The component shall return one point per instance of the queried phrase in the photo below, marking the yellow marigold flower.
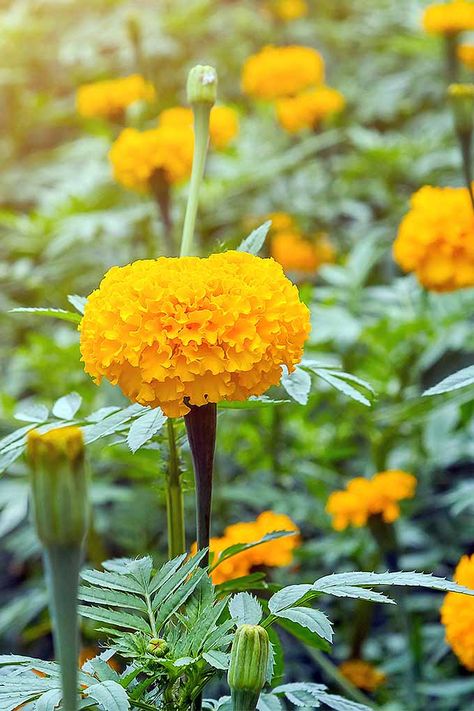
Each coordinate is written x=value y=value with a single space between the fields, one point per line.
x=136 y=155
x=297 y=254
x=275 y=72
x=177 y=331
x=108 y=99
x=307 y=109
x=223 y=123
x=466 y=55
x=457 y=615
x=276 y=553
x=436 y=239
x=362 y=674
x=288 y=10
x=363 y=498
x=449 y=17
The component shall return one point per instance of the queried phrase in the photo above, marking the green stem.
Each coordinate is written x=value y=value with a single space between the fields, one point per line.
x=174 y=498
x=333 y=673
x=451 y=46
x=62 y=565
x=201 y=138
x=465 y=144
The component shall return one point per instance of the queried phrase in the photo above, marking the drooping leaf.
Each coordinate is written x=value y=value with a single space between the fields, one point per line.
x=297 y=384
x=144 y=428
x=313 y=620
x=460 y=379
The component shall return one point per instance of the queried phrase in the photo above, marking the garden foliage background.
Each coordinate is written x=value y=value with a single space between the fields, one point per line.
x=64 y=222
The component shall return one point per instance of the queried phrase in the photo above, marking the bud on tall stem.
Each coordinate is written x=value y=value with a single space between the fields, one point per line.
x=60 y=507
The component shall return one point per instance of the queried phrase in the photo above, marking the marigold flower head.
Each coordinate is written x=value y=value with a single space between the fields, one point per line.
x=136 y=155
x=466 y=55
x=177 y=331
x=449 y=17
x=108 y=99
x=275 y=72
x=223 y=123
x=436 y=239
x=288 y=10
x=457 y=614
x=298 y=254
x=307 y=109
x=362 y=674
x=363 y=498
x=276 y=553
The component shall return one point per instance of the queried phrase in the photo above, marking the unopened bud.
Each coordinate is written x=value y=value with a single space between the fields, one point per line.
x=202 y=85
x=157 y=646
x=59 y=486
x=248 y=666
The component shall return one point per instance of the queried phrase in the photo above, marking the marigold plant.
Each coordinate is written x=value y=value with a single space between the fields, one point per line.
x=108 y=99
x=457 y=614
x=307 y=109
x=137 y=155
x=276 y=553
x=275 y=72
x=449 y=18
x=362 y=674
x=436 y=239
x=223 y=124
x=363 y=498
x=174 y=332
x=466 y=55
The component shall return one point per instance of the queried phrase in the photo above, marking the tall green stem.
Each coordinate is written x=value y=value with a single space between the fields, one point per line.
x=452 y=64
x=174 y=498
x=201 y=139
x=62 y=565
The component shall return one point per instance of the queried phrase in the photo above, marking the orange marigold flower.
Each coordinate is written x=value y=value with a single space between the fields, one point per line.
x=449 y=17
x=466 y=55
x=362 y=674
x=281 y=221
x=436 y=239
x=457 y=614
x=107 y=99
x=297 y=254
x=223 y=124
x=136 y=155
x=177 y=331
x=307 y=109
x=363 y=498
x=276 y=553
x=275 y=72
x=288 y=10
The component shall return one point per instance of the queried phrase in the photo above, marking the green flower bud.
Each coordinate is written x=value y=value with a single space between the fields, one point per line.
x=59 y=486
x=248 y=666
x=202 y=85
x=461 y=98
x=157 y=646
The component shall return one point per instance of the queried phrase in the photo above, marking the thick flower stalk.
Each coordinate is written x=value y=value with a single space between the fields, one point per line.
x=364 y=498
x=60 y=506
x=307 y=109
x=276 y=72
x=110 y=98
x=436 y=239
x=177 y=332
x=457 y=615
x=248 y=666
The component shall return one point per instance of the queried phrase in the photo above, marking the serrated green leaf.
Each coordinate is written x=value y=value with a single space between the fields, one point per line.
x=245 y=609
x=338 y=703
x=287 y=597
x=355 y=592
x=268 y=702
x=256 y=239
x=297 y=384
x=79 y=302
x=66 y=407
x=48 y=701
x=110 y=695
x=333 y=378
x=144 y=428
x=239 y=547
x=178 y=598
x=112 y=580
x=413 y=579
x=460 y=379
x=60 y=314
x=218 y=660
x=113 y=598
x=32 y=413
x=120 y=619
x=313 y=620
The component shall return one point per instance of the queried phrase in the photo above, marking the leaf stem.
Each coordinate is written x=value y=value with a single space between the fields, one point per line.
x=174 y=498
x=201 y=138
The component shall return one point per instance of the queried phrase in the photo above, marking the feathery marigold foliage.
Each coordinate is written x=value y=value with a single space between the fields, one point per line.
x=436 y=239
x=449 y=18
x=276 y=72
x=174 y=332
x=465 y=54
x=288 y=10
x=277 y=553
x=137 y=155
x=307 y=109
x=363 y=498
x=457 y=614
x=297 y=253
x=108 y=99
x=223 y=123
x=362 y=674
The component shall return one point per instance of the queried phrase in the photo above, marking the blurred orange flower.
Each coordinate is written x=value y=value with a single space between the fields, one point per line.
x=362 y=674
x=307 y=109
x=466 y=55
x=457 y=614
x=108 y=99
x=275 y=72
